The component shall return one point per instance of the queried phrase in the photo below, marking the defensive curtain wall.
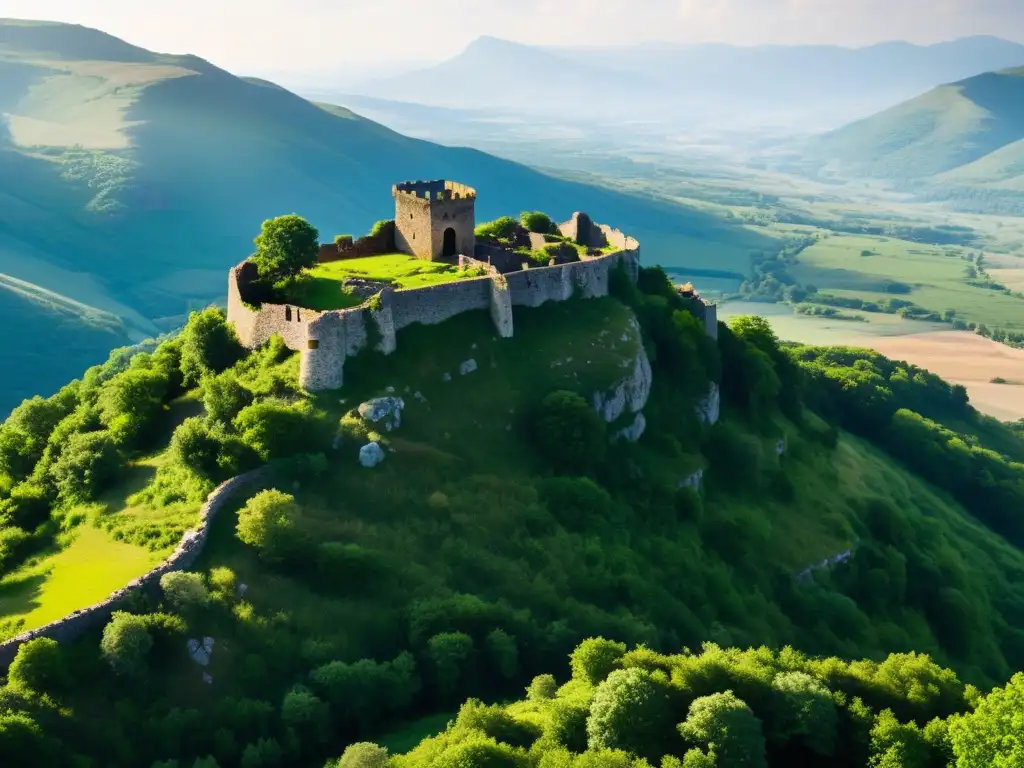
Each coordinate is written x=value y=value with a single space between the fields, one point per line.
x=325 y=339
x=74 y=624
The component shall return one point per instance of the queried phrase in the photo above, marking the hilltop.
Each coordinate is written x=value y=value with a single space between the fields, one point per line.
x=946 y=129
x=133 y=179
x=777 y=496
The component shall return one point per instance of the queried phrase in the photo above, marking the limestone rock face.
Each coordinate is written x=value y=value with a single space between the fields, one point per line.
x=710 y=406
x=693 y=481
x=629 y=395
x=371 y=455
x=467 y=367
x=383 y=409
x=634 y=431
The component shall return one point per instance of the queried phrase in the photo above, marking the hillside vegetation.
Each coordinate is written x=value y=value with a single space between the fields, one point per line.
x=129 y=181
x=502 y=528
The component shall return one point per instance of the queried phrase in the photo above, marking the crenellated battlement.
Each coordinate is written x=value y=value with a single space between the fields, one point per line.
x=435 y=190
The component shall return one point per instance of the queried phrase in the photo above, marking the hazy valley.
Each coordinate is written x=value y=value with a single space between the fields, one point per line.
x=735 y=480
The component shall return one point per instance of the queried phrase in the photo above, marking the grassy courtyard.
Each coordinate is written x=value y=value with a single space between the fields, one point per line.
x=321 y=287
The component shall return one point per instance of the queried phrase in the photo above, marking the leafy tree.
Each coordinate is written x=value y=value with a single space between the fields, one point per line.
x=494 y=721
x=224 y=396
x=805 y=708
x=208 y=345
x=542 y=687
x=22 y=741
x=596 y=658
x=285 y=246
x=481 y=751
x=535 y=221
x=571 y=436
x=449 y=654
x=39 y=667
x=362 y=691
x=990 y=735
x=727 y=725
x=267 y=522
x=24 y=434
x=263 y=753
x=126 y=643
x=631 y=711
x=183 y=590
x=131 y=401
x=309 y=716
x=364 y=754
x=86 y=466
x=502 y=653
x=277 y=430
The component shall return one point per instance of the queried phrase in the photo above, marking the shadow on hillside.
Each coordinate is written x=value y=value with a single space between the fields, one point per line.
x=220 y=154
x=1002 y=95
x=19 y=596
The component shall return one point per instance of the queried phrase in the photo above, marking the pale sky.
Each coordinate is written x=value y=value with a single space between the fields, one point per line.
x=254 y=36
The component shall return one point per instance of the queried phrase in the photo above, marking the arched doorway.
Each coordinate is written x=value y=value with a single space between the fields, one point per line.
x=448 y=248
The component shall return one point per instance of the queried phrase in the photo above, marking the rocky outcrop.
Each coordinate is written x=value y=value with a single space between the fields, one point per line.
x=371 y=454
x=629 y=395
x=710 y=406
x=693 y=481
x=383 y=409
x=634 y=431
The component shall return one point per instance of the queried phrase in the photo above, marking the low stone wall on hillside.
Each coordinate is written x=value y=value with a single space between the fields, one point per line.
x=77 y=623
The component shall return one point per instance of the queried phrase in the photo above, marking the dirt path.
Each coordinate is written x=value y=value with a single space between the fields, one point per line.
x=968 y=359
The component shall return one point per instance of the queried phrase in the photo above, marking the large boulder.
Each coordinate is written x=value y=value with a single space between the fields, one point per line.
x=386 y=410
x=371 y=455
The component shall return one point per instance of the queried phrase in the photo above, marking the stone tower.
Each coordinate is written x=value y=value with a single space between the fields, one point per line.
x=434 y=220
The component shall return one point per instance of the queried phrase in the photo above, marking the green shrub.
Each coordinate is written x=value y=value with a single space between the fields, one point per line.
x=542 y=688
x=631 y=711
x=596 y=658
x=364 y=754
x=499 y=229
x=535 y=221
x=570 y=436
x=126 y=643
x=39 y=667
x=267 y=523
x=183 y=590
x=208 y=345
x=284 y=247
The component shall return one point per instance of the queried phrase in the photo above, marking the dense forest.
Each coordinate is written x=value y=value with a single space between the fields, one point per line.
x=504 y=530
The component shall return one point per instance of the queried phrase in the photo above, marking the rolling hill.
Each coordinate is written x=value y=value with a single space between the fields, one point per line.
x=974 y=122
x=695 y=83
x=130 y=180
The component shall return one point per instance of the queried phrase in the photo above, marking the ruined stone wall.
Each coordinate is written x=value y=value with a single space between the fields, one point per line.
x=326 y=339
x=502 y=259
x=706 y=312
x=75 y=624
x=421 y=221
x=438 y=303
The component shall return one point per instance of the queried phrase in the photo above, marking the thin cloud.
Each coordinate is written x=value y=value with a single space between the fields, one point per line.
x=282 y=35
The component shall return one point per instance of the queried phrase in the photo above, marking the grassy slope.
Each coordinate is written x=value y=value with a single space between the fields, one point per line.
x=181 y=159
x=105 y=552
x=942 y=130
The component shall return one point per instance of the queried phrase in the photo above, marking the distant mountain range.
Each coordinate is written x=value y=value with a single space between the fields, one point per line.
x=694 y=83
x=130 y=181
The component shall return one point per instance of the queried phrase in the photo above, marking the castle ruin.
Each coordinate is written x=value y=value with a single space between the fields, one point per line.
x=434 y=220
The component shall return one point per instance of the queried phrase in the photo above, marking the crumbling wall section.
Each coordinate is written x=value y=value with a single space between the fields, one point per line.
x=77 y=623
